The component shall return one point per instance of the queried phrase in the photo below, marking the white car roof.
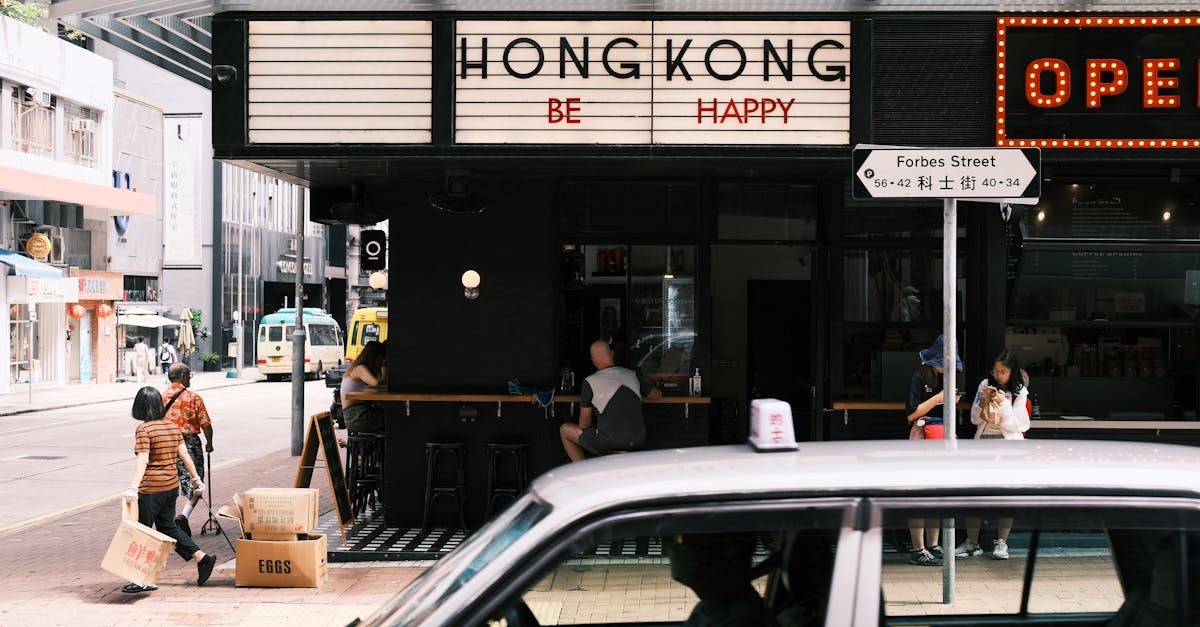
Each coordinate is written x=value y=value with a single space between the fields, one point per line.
x=878 y=467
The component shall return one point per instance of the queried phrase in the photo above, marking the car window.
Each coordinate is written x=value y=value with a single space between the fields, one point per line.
x=370 y=333
x=262 y=334
x=700 y=566
x=275 y=334
x=424 y=595
x=1107 y=559
x=323 y=335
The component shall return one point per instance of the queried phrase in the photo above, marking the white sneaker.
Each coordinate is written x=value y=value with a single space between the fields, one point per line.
x=999 y=549
x=968 y=549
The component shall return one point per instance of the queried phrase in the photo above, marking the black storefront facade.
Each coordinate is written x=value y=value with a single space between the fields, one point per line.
x=694 y=226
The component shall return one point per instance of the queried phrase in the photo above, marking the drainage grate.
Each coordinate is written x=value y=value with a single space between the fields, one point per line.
x=42 y=457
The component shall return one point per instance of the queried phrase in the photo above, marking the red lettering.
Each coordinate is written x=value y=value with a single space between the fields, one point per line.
x=1155 y=80
x=749 y=105
x=731 y=110
x=1106 y=77
x=701 y=109
x=1033 y=83
x=768 y=105
x=560 y=110
x=786 y=108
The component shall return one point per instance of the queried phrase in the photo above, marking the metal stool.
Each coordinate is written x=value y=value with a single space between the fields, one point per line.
x=456 y=489
x=520 y=469
x=364 y=469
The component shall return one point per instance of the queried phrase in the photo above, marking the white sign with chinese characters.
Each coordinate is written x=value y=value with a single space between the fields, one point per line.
x=182 y=156
x=979 y=173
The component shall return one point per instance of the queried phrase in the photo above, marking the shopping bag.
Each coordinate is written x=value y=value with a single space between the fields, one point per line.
x=137 y=553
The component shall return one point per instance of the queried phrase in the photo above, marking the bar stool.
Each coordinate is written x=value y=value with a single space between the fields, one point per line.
x=364 y=468
x=456 y=488
x=517 y=453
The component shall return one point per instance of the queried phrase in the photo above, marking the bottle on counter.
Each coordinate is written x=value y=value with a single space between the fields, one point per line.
x=1035 y=411
x=694 y=388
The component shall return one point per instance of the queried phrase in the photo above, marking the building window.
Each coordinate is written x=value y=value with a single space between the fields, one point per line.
x=33 y=121
x=1104 y=294
x=82 y=126
x=141 y=289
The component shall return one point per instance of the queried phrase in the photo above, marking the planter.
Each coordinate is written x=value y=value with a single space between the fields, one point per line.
x=210 y=366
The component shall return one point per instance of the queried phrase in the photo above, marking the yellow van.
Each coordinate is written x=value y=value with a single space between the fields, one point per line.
x=368 y=324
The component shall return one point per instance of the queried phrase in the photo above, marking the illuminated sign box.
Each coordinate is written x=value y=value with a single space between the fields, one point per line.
x=652 y=82
x=1088 y=81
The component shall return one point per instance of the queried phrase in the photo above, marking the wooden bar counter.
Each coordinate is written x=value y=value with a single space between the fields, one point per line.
x=413 y=418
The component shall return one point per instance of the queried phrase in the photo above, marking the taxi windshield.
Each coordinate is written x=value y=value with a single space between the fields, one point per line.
x=431 y=589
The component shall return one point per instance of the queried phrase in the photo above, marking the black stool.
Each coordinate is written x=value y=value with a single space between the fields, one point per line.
x=364 y=468
x=520 y=469
x=455 y=489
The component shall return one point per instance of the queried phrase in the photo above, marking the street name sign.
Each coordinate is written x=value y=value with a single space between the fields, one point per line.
x=965 y=173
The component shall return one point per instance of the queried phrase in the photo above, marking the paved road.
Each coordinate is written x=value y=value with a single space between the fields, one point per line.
x=55 y=460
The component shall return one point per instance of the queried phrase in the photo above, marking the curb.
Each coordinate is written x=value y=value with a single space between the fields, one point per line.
x=30 y=410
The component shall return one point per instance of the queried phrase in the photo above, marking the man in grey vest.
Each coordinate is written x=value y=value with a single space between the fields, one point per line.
x=610 y=409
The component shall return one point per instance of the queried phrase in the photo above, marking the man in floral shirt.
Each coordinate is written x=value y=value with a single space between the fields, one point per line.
x=186 y=409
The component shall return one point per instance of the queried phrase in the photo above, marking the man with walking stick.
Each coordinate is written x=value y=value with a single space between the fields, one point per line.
x=186 y=409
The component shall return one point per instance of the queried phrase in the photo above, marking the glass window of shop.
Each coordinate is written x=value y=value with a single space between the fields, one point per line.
x=23 y=344
x=641 y=299
x=1105 y=291
x=889 y=257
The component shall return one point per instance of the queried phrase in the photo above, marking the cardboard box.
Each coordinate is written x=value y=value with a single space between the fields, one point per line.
x=279 y=510
x=137 y=553
x=230 y=519
x=269 y=564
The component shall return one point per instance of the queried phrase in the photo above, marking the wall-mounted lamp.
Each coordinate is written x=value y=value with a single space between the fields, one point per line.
x=224 y=74
x=378 y=280
x=1166 y=216
x=470 y=281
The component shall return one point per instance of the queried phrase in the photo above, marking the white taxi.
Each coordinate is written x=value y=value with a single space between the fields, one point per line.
x=1098 y=534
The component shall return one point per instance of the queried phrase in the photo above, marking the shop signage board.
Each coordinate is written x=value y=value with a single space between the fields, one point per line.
x=340 y=81
x=1091 y=81
x=23 y=289
x=975 y=173
x=652 y=82
x=183 y=156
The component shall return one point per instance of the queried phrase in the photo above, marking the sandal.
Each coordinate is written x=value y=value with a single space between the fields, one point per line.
x=133 y=588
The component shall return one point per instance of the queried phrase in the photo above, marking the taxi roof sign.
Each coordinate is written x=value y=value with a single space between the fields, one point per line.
x=771 y=425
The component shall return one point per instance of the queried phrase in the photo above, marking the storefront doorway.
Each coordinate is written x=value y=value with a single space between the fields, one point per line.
x=778 y=347
x=764 y=329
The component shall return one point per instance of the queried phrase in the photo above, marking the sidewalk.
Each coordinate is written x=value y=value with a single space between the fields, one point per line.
x=76 y=394
x=51 y=572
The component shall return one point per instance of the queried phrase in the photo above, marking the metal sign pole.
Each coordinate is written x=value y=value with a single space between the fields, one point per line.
x=298 y=336
x=949 y=382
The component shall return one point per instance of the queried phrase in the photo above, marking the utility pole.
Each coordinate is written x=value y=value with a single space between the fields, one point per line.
x=298 y=334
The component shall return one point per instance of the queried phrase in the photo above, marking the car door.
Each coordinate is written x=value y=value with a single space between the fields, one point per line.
x=1071 y=561
x=786 y=561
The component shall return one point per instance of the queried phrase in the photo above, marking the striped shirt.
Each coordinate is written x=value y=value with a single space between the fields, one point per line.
x=161 y=439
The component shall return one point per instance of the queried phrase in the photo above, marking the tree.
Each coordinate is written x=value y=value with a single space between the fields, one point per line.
x=33 y=14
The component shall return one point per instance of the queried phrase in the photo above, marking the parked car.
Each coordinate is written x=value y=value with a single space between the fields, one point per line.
x=1106 y=533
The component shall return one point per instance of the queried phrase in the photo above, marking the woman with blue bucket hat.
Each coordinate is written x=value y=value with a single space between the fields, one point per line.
x=924 y=410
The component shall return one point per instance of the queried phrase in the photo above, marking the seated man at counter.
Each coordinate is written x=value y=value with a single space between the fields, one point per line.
x=610 y=409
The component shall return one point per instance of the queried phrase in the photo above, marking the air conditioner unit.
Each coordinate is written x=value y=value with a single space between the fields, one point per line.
x=57 y=250
x=83 y=125
x=38 y=97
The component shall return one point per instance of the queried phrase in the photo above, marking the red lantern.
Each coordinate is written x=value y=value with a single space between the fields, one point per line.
x=104 y=311
x=76 y=311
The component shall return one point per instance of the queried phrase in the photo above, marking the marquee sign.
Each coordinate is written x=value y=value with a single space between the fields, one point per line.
x=661 y=82
x=1098 y=81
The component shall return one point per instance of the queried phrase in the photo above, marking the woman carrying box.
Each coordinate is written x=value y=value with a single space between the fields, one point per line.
x=158 y=443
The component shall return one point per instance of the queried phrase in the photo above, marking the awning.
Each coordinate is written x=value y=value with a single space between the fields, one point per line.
x=24 y=266
x=25 y=184
x=149 y=321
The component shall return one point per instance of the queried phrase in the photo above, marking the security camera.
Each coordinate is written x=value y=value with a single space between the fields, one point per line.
x=224 y=74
